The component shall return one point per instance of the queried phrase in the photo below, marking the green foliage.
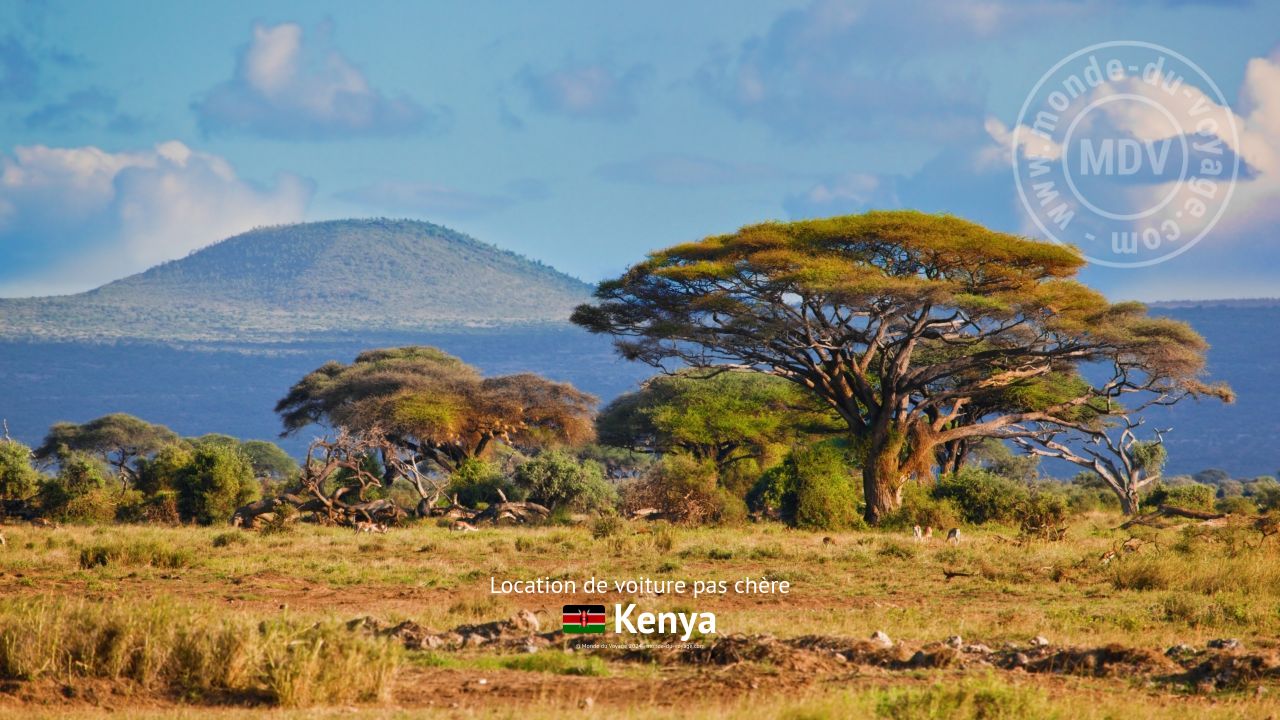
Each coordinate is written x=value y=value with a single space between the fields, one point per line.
x=729 y=419
x=1041 y=514
x=1192 y=496
x=1236 y=505
x=813 y=488
x=18 y=479
x=555 y=478
x=920 y=507
x=981 y=496
x=477 y=481
x=79 y=492
x=218 y=480
x=1265 y=494
x=995 y=455
x=293 y=281
x=160 y=473
x=607 y=526
x=118 y=438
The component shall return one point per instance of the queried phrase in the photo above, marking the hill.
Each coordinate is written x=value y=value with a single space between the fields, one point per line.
x=290 y=281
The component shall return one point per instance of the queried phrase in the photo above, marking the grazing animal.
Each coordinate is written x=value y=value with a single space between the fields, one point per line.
x=368 y=527
x=461 y=526
x=953 y=536
x=44 y=523
x=3 y=542
x=917 y=534
x=828 y=541
x=928 y=532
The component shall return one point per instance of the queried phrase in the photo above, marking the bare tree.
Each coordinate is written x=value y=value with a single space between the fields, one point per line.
x=1123 y=461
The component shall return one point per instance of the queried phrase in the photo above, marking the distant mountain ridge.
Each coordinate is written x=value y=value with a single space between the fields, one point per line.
x=293 y=280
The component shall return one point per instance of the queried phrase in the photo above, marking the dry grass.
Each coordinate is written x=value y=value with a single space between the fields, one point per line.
x=260 y=615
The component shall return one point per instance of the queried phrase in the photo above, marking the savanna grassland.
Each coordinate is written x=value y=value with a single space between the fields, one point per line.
x=153 y=621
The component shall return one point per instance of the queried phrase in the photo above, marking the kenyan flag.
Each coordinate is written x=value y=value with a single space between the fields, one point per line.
x=580 y=619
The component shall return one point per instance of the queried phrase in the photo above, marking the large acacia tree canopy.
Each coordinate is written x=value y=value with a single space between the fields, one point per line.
x=917 y=329
x=433 y=402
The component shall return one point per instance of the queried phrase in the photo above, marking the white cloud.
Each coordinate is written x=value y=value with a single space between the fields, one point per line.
x=586 y=90
x=74 y=218
x=285 y=87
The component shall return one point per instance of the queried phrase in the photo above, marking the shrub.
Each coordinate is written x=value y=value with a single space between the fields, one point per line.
x=476 y=481
x=218 y=480
x=920 y=507
x=18 y=480
x=607 y=526
x=1192 y=496
x=160 y=473
x=1236 y=505
x=1042 y=514
x=813 y=488
x=79 y=492
x=981 y=496
x=679 y=487
x=557 y=479
x=133 y=553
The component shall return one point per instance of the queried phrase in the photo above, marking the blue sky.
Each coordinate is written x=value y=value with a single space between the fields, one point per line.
x=579 y=133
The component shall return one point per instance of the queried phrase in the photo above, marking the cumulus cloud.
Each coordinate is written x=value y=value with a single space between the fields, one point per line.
x=681 y=169
x=593 y=91
x=74 y=218
x=974 y=179
x=289 y=87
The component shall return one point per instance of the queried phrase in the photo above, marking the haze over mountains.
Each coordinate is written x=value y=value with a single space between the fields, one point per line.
x=291 y=281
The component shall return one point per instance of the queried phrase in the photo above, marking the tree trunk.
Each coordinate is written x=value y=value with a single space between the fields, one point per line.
x=882 y=476
x=1129 y=501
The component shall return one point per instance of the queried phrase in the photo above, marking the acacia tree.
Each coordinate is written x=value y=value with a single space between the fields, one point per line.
x=724 y=418
x=434 y=410
x=902 y=322
x=119 y=439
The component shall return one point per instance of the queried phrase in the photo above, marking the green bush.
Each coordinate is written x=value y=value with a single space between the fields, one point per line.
x=218 y=480
x=1192 y=496
x=1236 y=505
x=981 y=496
x=160 y=473
x=557 y=479
x=18 y=480
x=476 y=481
x=1042 y=514
x=79 y=492
x=920 y=507
x=813 y=488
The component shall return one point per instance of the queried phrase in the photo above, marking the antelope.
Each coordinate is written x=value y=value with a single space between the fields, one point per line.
x=461 y=526
x=953 y=536
x=368 y=527
x=917 y=534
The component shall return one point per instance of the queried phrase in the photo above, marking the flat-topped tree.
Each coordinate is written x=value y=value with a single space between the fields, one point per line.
x=119 y=439
x=902 y=322
x=435 y=410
